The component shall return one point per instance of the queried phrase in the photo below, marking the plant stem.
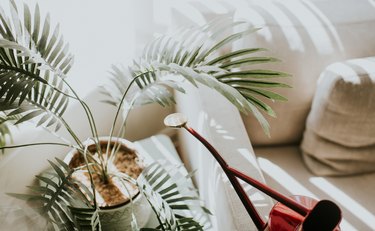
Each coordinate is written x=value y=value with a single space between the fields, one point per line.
x=92 y=127
x=90 y=175
x=87 y=111
x=66 y=125
x=35 y=144
x=61 y=138
x=63 y=93
x=71 y=132
x=120 y=105
x=84 y=105
x=123 y=98
x=121 y=133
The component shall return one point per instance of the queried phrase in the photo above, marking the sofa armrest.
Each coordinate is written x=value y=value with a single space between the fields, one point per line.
x=220 y=122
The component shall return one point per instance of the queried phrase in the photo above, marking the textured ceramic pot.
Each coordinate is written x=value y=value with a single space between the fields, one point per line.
x=118 y=217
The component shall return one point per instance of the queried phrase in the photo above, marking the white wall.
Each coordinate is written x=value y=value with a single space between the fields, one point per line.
x=100 y=33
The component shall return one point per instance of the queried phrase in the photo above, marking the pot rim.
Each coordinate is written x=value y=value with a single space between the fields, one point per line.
x=114 y=139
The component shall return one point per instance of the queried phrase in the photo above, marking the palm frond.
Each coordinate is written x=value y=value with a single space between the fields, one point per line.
x=33 y=62
x=36 y=43
x=176 y=205
x=86 y=218
x=59 y=199
x=196 y=55
x=46 y=110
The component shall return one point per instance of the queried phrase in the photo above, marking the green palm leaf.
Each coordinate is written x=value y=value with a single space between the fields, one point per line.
x=176 y=206
x=86 y=218
x=195 y=55
x=60 y=200
x=33 y=63
x=47 y=110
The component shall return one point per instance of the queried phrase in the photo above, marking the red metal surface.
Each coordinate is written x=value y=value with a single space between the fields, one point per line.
x=282 y=218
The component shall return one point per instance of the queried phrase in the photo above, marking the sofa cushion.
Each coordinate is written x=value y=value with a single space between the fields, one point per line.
x=340 y=134
x=306 y=36
x=343 y=109
x=325 y=158
x=285 y=171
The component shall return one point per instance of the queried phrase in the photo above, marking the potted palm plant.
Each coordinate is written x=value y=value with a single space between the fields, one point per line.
x=34 y=66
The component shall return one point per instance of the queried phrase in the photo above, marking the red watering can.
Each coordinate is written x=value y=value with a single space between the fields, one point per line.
x=289 y=214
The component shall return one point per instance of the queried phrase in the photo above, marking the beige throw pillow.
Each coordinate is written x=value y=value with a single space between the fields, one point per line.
x=340 y=131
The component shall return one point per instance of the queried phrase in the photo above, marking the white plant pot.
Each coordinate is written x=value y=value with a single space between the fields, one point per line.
x=119 y=217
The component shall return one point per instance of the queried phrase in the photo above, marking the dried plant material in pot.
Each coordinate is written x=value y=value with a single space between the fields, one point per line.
x=111 y=193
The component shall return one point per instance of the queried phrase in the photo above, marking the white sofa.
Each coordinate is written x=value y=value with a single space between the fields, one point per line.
x=280 y=167
x=307 y=35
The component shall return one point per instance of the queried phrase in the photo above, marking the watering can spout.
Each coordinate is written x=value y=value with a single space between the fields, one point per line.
x=175 y=120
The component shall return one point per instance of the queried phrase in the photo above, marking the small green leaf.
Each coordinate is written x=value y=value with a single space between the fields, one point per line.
x=28 y=197
x=63 y=164
x=252 y=83
x=181 y=199
x=48 y=181
x=248 y=61
x=268 y=94
x=251 y=74
x=234 y=54
x=35 y=34
x=39 y=189
x=29 y=116
x=225 y=41
x=43 y=119
x=45 y=34
x=57 y=169
x=260 y=104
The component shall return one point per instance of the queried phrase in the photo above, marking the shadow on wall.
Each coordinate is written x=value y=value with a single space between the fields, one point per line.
x=306 y=35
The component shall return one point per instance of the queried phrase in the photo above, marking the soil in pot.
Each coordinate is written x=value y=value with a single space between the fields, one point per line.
x=112 y=193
